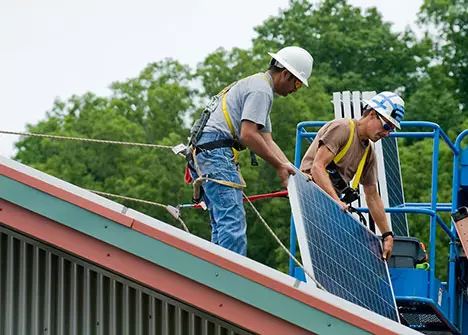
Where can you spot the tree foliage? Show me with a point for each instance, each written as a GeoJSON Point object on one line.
{"type": "Point", "coordinates": [449, 18]}
{"type": "Point", "coordinates": [353, 49]}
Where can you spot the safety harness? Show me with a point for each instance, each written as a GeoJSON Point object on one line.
{"type": "Point", "coordinates": [350, 194]}
{"type": "Point", "coordinates": [234, 143]}
{"type": "Point", "coordinates": [229, 122]}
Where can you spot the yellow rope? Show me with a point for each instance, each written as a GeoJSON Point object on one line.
{"type": "Point", "coordinates": [282, 245]}
{"type": "Point", "coordinates": [197, 183]}
{"type": "Point", "coordinates": [172, 210]}
{"type": "Point", "coordinates": [81, 139]}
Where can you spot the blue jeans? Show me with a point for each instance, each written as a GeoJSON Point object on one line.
{"type": "Point", "coordinates": [227, 214]}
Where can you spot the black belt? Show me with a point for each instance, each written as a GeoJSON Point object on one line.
{"type": "Point", "coordinates": [219, 144]}
{"type": "Point", "coordinates": [225, 143]}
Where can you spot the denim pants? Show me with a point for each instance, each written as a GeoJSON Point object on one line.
{"type": "Point", "coordinates": [227, 214]}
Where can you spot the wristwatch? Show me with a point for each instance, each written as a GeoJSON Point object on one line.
{"type": "Point", "coordinates": [387, 234]}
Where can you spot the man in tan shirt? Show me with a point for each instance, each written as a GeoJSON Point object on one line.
{"type": "Point", "coordinates": [382, 114]}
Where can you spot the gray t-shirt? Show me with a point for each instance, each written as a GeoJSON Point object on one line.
{"type": "Point", "coordinates": [250, 99]}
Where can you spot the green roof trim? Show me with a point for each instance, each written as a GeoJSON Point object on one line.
{"type": "Point", "coordinates": [173, 259]}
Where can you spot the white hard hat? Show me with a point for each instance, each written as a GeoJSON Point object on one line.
{"type": "Point", "coordinates": [389, 105]}
{"type": "Point", "coordinates": [296, 60]}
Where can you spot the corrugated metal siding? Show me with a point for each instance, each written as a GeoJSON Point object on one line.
{"type": "Point", "coordinates": [46, 291]}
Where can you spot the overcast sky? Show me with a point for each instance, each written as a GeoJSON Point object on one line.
{"type": "Point", "coordinates": [56, 48]}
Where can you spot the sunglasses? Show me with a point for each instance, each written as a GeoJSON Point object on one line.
{"type": "Point", "coordinates": [385, 125]}
{"type": "Point", "coordinates": [298, 83]}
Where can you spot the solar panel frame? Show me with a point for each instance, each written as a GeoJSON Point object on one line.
{"type": "Point", "coordinates": [399, 222]}
{"type": "Point", "coordinates": [363, 277]}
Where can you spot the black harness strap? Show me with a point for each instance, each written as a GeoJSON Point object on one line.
{"type": "Point", "coordinates": [349, 194]}
{"type": "Point", "coordinates": [225, 143]}
{"type": "Point", "coordinates": [361, 217]}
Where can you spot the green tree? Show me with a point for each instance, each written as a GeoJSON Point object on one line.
{"type": "Point", "coordinates": [434, 99]}
{"type": "Point", "coordinates": [352, 49]}
{"type": "Point", "coordinates": [450, 18]}
{"type": "Point", "coordinates": [416, 167]}
{"type": "Point", "coordinates": [148, 109]}
{"type": "Point", "coordinates": [159, 99]}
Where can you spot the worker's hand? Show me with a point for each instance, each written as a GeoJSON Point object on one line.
{"type": "Point", "coordinates": [283, 171]}
{"type": "Point", "coordinates": [344, 206]}
{"type": "Point", "coordinates": [387, 247]}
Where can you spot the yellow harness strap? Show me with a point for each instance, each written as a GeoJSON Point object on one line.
{"type": "Point", "coordinates": [348, 144]}
{"type": "Point", "coordinates": [360, 168]}
{"type": "Point", "coordinates": [228, 118]}
{"type": "Point", "coordinates": [198, 182]}
{"type": "Point", "coordinates": [343, 152]}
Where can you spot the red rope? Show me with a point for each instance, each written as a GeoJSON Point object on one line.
{"type": "Point", "coordinates": [253, 197]}
{"type": "Point", "coordinates": [267, 195]}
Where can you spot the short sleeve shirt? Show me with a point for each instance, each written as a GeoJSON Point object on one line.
{"type": "Point", "coordinates": [249, 99]}
{"type": "Point", "coordinates": [334, 135]}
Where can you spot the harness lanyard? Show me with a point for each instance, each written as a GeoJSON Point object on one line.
{"type": "Point", "coordinates": [343, 152]}
{"type": "Point", "coordinates": [228, 118]}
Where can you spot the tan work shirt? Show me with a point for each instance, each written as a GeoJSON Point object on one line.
{"type": "Point", "coordinates": [334, 135]}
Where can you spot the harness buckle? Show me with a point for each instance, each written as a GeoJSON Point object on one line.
{"type": "Point", "coordinates": [349, 195]}
{"type": "Point", "coordinates": [180, 149]}
{"type": "Point", "coordinates": [253, 159]}
{"type": "Point", "coordinates": [213, 104]}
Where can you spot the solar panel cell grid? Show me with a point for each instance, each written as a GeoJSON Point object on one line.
{"type": "Point", "coordinates": [344, 256]}
{"type": "Point", "coordinates": [394, 184]}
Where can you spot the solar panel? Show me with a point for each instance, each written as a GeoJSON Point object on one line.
{"type": "Point", "coordinates": [394, 184]}
{"type": "Point", "coordinates": [340, 253]}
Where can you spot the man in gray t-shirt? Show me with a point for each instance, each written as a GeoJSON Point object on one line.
{"type": "Point", "coordinates": [242, 117]}
{"type": "Point", "coordinates": [250, 99]}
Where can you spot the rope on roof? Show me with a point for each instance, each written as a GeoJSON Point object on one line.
{"type": "Point", "coordinates": [282, 245]}
{"type": "Point", "coordinates": [174, 211]}
{"type": "Point", "coordinates": [171, 209]}
{"type": "Point", "coordinates": [83, 139]}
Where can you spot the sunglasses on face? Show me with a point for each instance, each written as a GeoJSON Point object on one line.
{"type": "Point", "coordinates": [385, 125]}
{"type": "Point", "coordinates": [297, 82]}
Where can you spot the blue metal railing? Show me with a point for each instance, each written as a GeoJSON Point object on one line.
{"type": "Point", "coordinates": [429, 209]}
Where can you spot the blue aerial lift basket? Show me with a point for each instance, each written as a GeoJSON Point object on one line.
{"type": "Point", "coordinates": [425, 303]}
